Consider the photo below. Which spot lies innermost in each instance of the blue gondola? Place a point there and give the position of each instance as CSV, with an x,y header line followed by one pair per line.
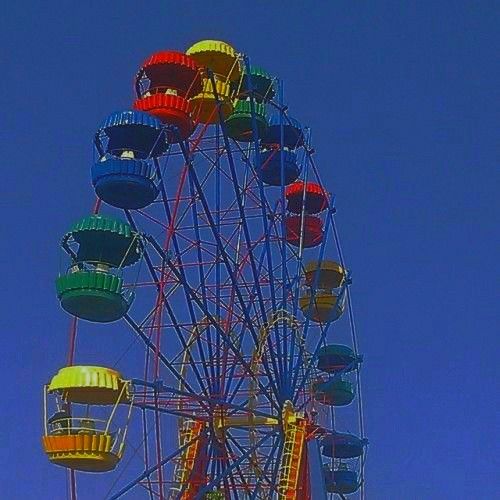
x,y
343,445
126,142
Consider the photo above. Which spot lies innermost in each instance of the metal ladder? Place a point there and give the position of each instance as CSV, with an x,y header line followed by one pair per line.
x,y
184,468
295,436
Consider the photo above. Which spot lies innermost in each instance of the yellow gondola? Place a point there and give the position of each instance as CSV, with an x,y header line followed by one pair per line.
x,y
219,57
330,274
325,306
204,104
93,385
78,441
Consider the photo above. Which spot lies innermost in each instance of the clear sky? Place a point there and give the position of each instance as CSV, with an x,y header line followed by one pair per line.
x,y
403,101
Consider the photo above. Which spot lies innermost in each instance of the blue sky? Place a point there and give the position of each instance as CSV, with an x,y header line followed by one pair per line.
x,y
402,98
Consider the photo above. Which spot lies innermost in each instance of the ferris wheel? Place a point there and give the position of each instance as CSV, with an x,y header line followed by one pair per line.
x,y
213,241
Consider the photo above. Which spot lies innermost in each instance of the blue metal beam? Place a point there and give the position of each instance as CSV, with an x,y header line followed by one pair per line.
x,y
246,231
150,471
255,137
181,268
167,306
152,347
213,322
215,481
244,306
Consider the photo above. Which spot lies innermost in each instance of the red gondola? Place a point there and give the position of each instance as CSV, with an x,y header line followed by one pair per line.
x,y
313,195
312,230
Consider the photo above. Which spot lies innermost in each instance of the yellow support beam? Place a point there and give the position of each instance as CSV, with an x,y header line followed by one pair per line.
x,y
295,430
244,421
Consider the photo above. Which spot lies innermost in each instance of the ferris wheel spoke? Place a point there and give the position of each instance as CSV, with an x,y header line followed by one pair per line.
x,y
243,482
210,317
145,433
201,266
223,458
213,377
262,471
282,241
207,412
224,256
236,289
173,234
201,273
165,411
263,198
153,469
213,400
153,348
271,461
170,311
237,191
260,185
227,282
217,479
277,361
212,161
276,468
217,454
231,394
